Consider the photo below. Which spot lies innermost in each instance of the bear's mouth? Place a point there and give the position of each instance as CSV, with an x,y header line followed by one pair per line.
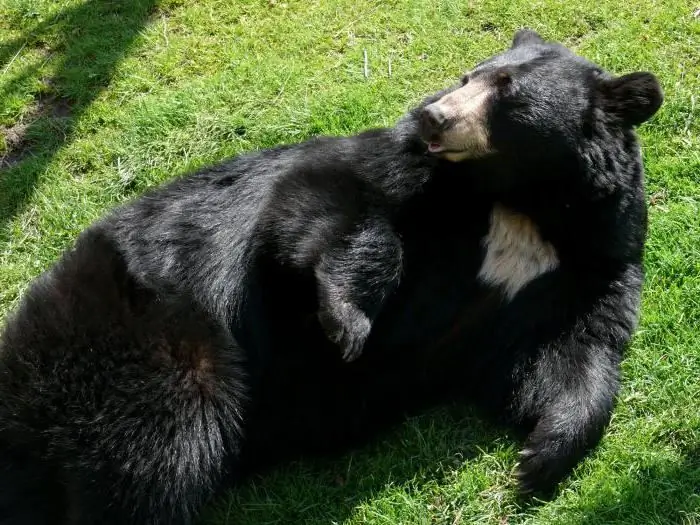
x,y
436,148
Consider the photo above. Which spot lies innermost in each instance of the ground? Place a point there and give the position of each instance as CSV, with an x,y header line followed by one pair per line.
x,y
100,100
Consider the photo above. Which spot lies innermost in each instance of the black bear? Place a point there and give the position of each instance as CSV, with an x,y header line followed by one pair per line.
x,y
486,248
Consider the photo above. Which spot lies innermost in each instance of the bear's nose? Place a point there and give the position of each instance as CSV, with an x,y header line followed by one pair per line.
x,y
433,118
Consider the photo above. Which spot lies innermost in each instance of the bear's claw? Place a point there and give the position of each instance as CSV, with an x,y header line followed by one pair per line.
x,y
348,327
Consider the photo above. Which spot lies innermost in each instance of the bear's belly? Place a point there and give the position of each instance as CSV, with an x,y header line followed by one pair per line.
x,y
436,334
465,281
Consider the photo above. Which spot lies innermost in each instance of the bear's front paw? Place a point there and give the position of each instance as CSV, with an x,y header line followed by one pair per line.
x,y
348,327
542,465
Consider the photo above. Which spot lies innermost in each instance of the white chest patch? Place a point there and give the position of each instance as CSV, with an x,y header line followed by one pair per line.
x,y
515,252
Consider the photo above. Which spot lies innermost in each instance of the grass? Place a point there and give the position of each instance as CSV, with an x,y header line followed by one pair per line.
x,y
101,99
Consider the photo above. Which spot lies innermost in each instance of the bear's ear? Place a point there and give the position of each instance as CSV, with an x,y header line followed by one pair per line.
x,y
632,98
526,37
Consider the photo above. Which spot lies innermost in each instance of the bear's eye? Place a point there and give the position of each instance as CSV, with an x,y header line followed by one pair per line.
x,y
465,79
503,78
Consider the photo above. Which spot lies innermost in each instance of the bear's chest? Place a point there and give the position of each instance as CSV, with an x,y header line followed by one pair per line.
x,y
514,252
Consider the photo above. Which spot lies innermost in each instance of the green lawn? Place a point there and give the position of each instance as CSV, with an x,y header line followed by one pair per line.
x,y
101,99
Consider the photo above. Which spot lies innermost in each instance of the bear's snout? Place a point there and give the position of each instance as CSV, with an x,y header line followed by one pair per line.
x,y
433,120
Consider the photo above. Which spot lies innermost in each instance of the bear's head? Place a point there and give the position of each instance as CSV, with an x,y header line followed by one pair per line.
x,y
536,100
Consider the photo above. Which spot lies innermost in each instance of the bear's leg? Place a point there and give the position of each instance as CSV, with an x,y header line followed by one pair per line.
x,y
157,456
354,278
30,494
154,462
568,386
570,398
150,447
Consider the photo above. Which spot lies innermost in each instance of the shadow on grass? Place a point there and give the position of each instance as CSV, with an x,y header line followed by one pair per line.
x,y
425,449
90,40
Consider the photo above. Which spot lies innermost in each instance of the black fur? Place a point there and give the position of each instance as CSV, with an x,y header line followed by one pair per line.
x,y
179,341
